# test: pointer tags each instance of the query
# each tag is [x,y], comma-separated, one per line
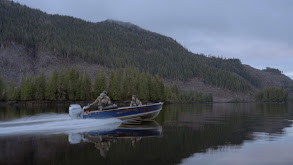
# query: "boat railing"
[122,108]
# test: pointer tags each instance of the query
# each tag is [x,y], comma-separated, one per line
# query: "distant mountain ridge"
[46,41]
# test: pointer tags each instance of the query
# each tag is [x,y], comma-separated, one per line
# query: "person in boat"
[103,100]
[135,102]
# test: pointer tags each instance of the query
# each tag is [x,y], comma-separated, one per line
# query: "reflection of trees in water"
[27,109]
[274,117]
[279,109]
[241,116]
[223,124]
[186,130]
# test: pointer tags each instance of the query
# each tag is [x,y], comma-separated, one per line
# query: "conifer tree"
[167,93]
[1,88]
[85,87]
[162,95]
[27,88]
[144,87]
[141,92]
[148,86]
[14,92]
[131,81]
[63,84]
[155,88]
[11,91]
[271,94]
[52,86]
[114,86]
[125,85]
[137,83]
[40,87]
[100,83]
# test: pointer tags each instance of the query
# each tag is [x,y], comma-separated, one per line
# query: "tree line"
[115,45]
[121,84]
[273,70]
[272,94]
[2,89]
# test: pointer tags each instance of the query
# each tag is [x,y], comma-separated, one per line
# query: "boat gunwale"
[138,115]
[124,108]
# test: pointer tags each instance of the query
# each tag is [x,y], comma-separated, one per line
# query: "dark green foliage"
[137,84]
[155,88]
[71,84]
[116,45]
[125,86]
[14,92]
[27,89]
[173,94]
[145,87]
[148,86]
[73,87]
[52,86]
[273,70]
[114,85]
[271,94]
[100,84]
[2,89]
[193,96]
[40,87]
[161,89]
[63,84]
[85,87]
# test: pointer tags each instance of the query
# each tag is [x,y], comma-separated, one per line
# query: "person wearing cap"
[135,102]
[103,100]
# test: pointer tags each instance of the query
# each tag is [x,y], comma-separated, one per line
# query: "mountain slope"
[45,42]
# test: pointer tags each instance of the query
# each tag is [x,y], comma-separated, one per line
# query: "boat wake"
[55,124]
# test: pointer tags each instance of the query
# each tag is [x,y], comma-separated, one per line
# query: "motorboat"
[143,112]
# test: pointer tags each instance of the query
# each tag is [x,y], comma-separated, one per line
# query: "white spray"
[55,124]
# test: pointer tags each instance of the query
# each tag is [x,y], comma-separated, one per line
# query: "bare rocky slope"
[16,62]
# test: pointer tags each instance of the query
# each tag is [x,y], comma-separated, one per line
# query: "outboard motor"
[75,111]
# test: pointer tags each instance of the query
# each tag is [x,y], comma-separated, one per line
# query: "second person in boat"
[135,102]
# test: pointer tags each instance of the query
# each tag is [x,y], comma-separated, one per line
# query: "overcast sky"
[258,32]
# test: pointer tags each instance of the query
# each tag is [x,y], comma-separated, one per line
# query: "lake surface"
[182,134]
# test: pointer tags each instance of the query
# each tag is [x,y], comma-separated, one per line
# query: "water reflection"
[102,140]
[261,151]
[237,132]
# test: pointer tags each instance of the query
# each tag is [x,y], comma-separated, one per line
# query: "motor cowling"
[75,111]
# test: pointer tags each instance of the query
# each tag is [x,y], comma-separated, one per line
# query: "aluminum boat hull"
[144,112]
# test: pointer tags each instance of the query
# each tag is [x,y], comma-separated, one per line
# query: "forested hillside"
[116,44]
[32,42]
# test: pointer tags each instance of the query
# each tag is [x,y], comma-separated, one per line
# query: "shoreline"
[118,102]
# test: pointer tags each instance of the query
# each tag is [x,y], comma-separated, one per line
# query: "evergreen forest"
[72,84]
[272,94]
[115,45]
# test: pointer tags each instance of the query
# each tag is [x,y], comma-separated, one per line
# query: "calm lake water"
[259,134]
